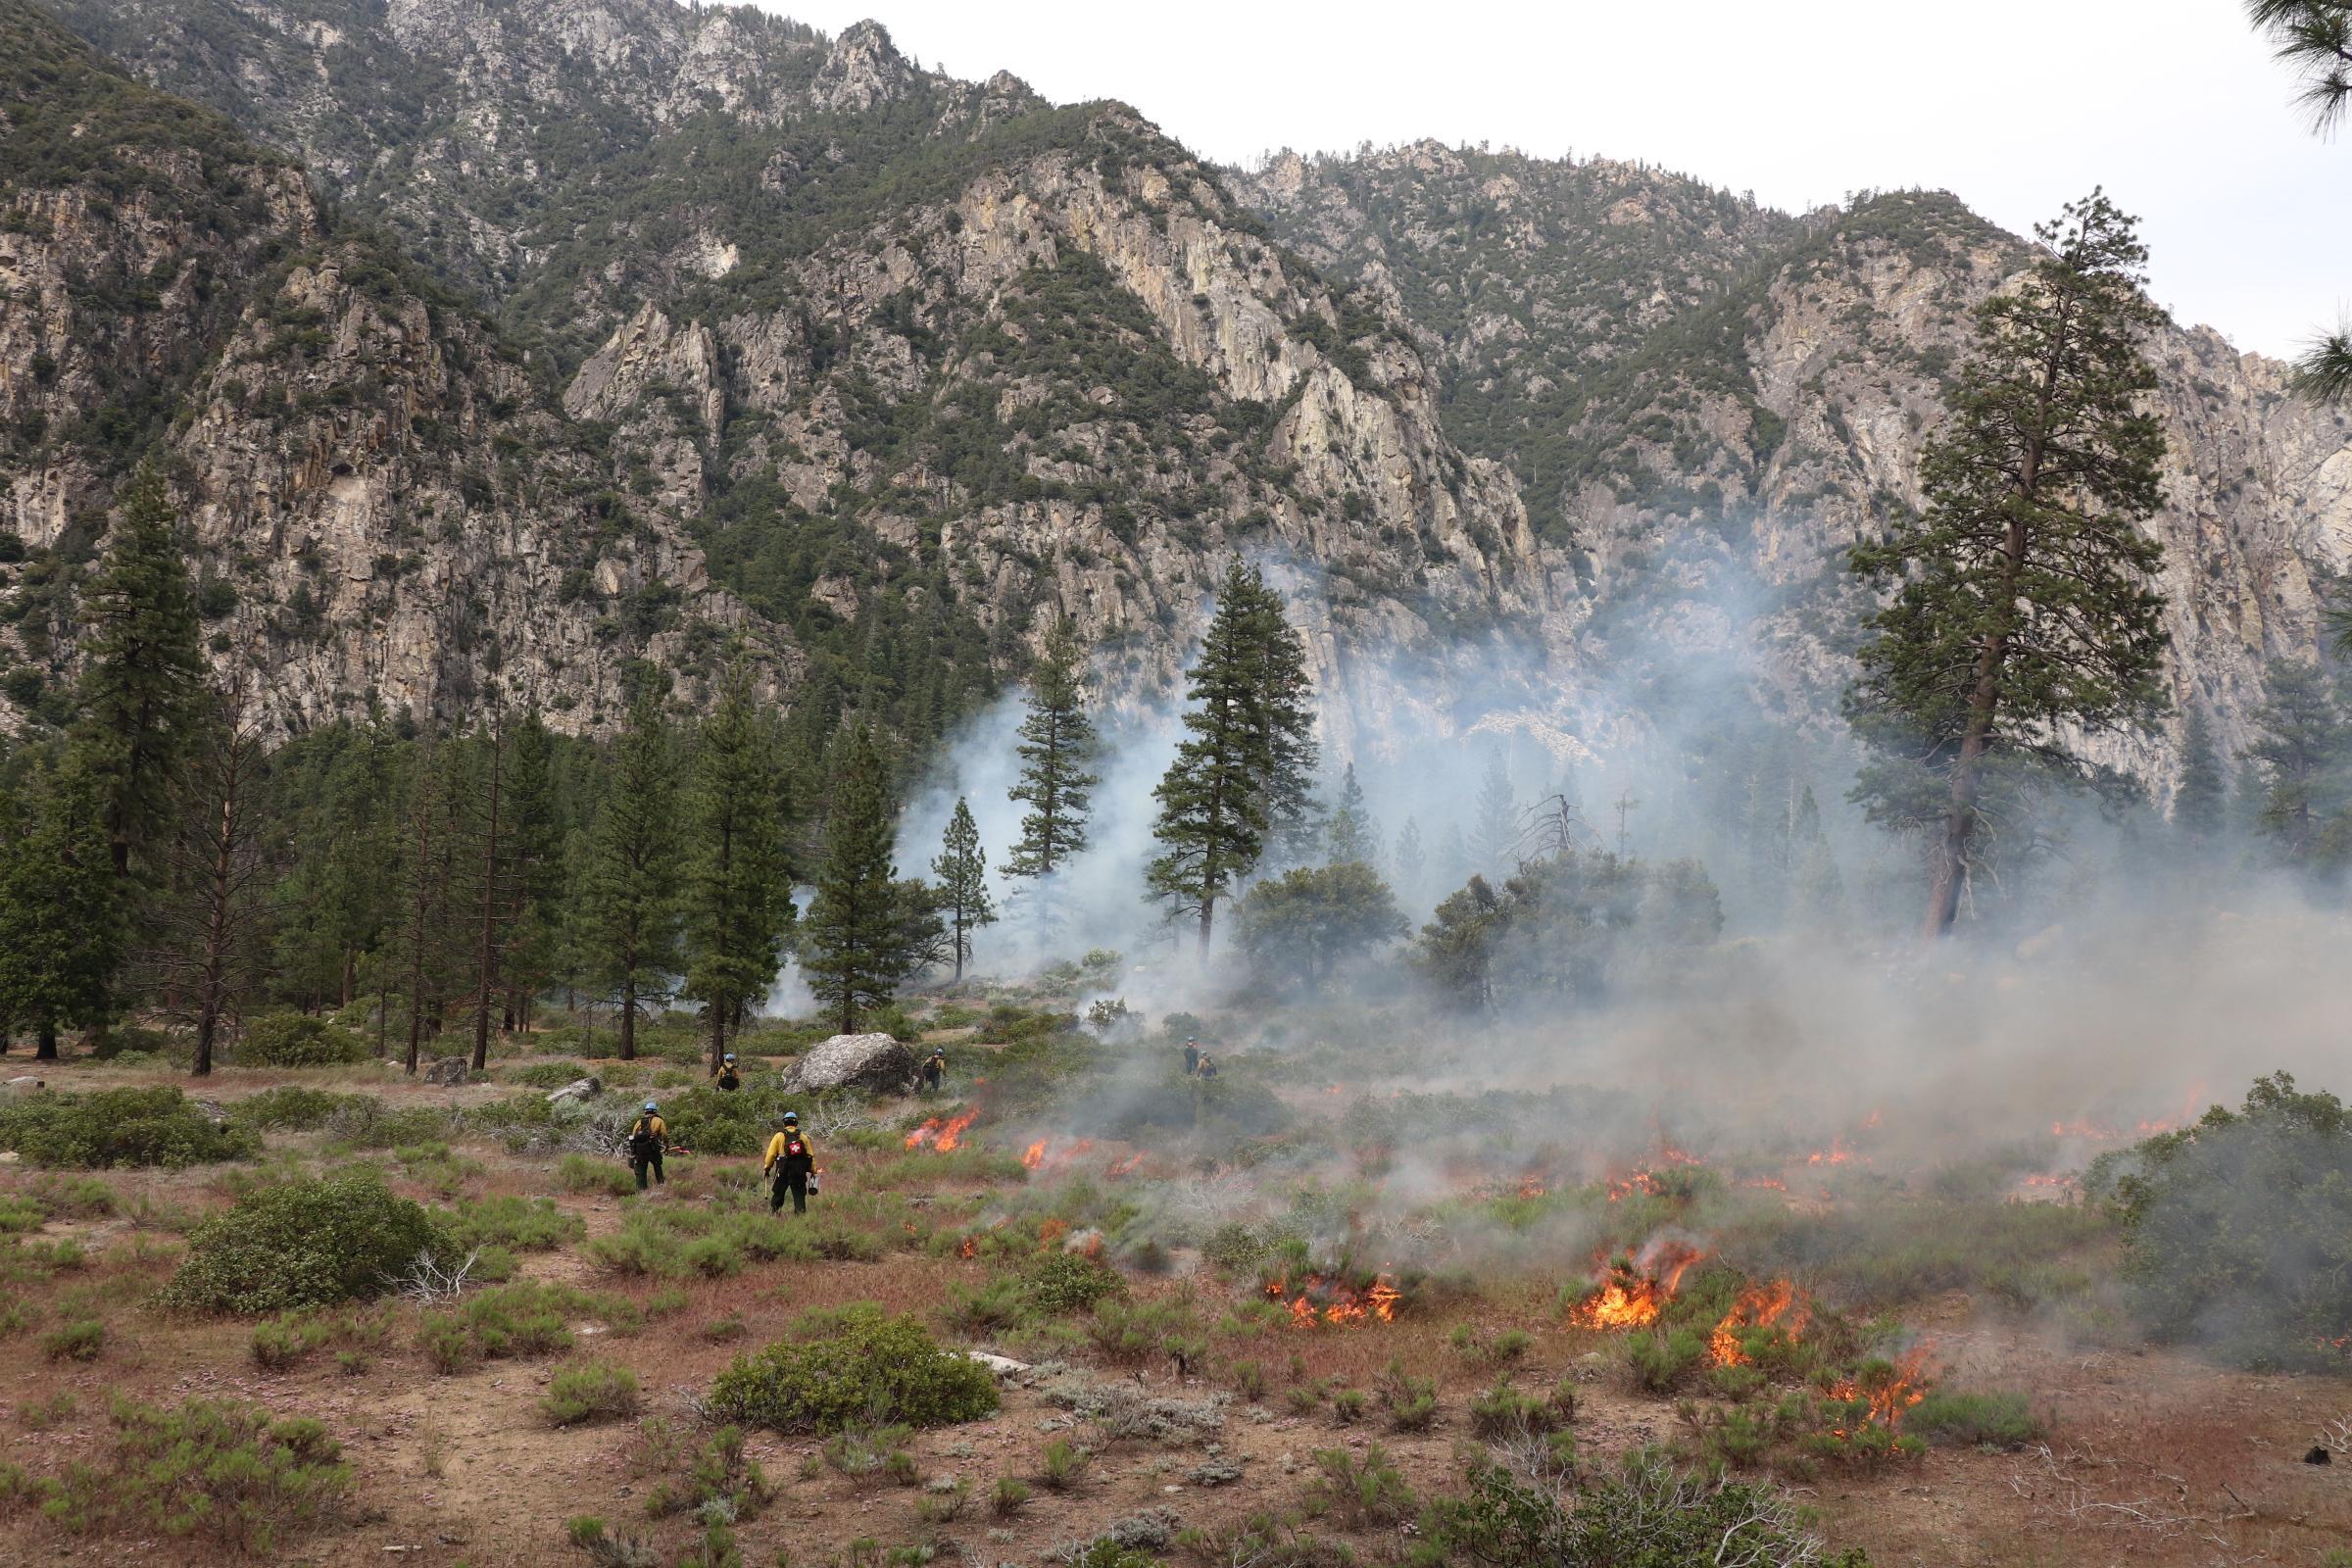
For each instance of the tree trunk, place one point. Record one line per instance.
(629, 1018)
(718, 1030)
(487, 961)
(45, 1044)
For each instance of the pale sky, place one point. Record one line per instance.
(2015, 105)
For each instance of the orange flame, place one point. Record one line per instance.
(1898, 1392)
(1035, 1154)
(1326, 1302)
(969, 1249)
(1635, 1292)
(941, 1135)
(1758, 1306)
(1124, 1166)
(1836, 1154)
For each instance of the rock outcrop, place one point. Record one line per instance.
(876, 1063)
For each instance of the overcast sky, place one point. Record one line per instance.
(2015, 105)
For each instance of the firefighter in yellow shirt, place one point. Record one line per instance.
(647, 1140)
(790, 1163)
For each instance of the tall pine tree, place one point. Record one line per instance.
(1352, 837)
(1057, 750)
(1241, 774)
(1495, 833)
(629, 933)
(866, 932)
(62, 932)
(962, 870)
(738, 901)
(212, 953)
(2201, 800)
(142, 691)
(2025, 612)
(2303, 749)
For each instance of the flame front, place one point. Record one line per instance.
(1034, 1156)
(1322, 1302)
(1758, 1306)
(943, 1136)
(1636, 1292)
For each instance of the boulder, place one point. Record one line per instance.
(578, 1091)
(449, 1071)
(853, 1062)
(24, 1086)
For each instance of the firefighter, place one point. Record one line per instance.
(726, 1077)
(790, 1163)
(648, 1138)
(1192, 1057)
(1209, 1065)
(934, 1071)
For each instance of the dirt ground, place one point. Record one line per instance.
(2152, 1461)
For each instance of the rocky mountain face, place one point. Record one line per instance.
(387, 507)
(788, 339)
(920, 364)
(1706, 403)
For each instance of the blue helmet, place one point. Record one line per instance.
(649, 1105)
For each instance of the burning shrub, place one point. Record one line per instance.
(857, 1365)
(2235, 1227)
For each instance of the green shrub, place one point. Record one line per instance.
(2225, 1223)
(869, 1456)
(298, 1040)
(1062, 1465)
(1060, 1283)
(547, 1074)
(1646, 1515)
(590, 1391)
(1411, 1402)
(524, 1224)
(1009, 1496)
(1139, 1331)
(77, 1341)
(119, 1127)
(230, 1476)
(76, 1197)
(577, 1173)
(527, 1318)
(1663, 1360)
(18, 1213)
(719, 1473)
(1975, 1420)
(288, 1339)
(1360, 1494)
(868, 1367)
(1000, 1303)
(303, 1243)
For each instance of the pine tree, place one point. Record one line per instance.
(1495, 835)
(629, 933)
(212, 956)
(535, 868)
(1412, 861)
(1817, 886)
(62, 934)
(492, 879)
(2201, 800)
(1057, 747)
(2302, 750)
(867, 932)
(2313, 38)
(962, 870)
(738, 901)
(142, 692)
(1241, 774)
(1353, 837)
(337, 901)
(427, 851)
(2025, 612)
